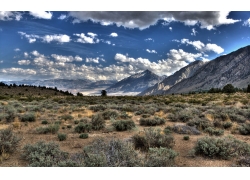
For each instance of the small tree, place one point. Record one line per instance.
(248, 88)
(79, 94)
(229, 88)
(104, 93)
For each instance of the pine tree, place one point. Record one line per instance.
(104, 93)
(248, 88)
(229, 88)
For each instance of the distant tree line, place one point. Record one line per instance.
(229, 88)
(67, 93)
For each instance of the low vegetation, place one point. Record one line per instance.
(150, 131)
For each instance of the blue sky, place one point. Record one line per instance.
(112, 45)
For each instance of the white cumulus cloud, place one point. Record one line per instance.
(17, 49)
(93, 60)
(247, 22)
(9, 15)
(64, 59)
(151, 51)
(26, 54)
(35, 53)
(194, 32)
(60, 38)
(214, 48)
(62, 17)
(113, 34)
(18, 71)
(198, 45)
(24, 62)
(93, 35)
(41, 14)
(82, 38)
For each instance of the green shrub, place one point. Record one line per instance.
(98, 108)
(53, 128)
(8, 141)
(76, 122)
(227, 125)
(152, 138)
(10, 113)
(109, 114)
(28, 117)
(237, 118)
(84, 136)
(58, 122)
(245, 129)
(2, 116)
(67, 117)
(123, 125)
(152, 121)
(45, 122)
(97, 122)
(145, 115)
(183, 129)
(44, 154)
(183, 115)
(213, 131)
(167, 130)
(186, 138)
(217, 123)
(84, 120)
(243, 161)
(199, 123)
(124, 115)
(160, 157)
(220, 115)
(69, 126)
(62, 136)
(114, 153)
(225, 148)
(83, 127)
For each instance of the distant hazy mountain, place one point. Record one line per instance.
(233, 68)
(136, 83)
(169, 81)
(77, 85)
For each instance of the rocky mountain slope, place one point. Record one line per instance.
(178, 76)
(233, 68)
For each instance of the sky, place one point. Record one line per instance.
(112, 45)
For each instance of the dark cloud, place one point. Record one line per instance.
(142, 19)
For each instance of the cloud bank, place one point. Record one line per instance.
(143, 20)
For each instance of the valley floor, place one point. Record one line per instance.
(188, 119)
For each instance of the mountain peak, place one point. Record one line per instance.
(136, 83)
(147, 71)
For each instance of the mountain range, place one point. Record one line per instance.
(135, 83)
(233, 68)
(170, 81)
(85, 86)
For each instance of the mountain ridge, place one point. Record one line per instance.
(169, 81)
(135, 83)
(233, 68)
